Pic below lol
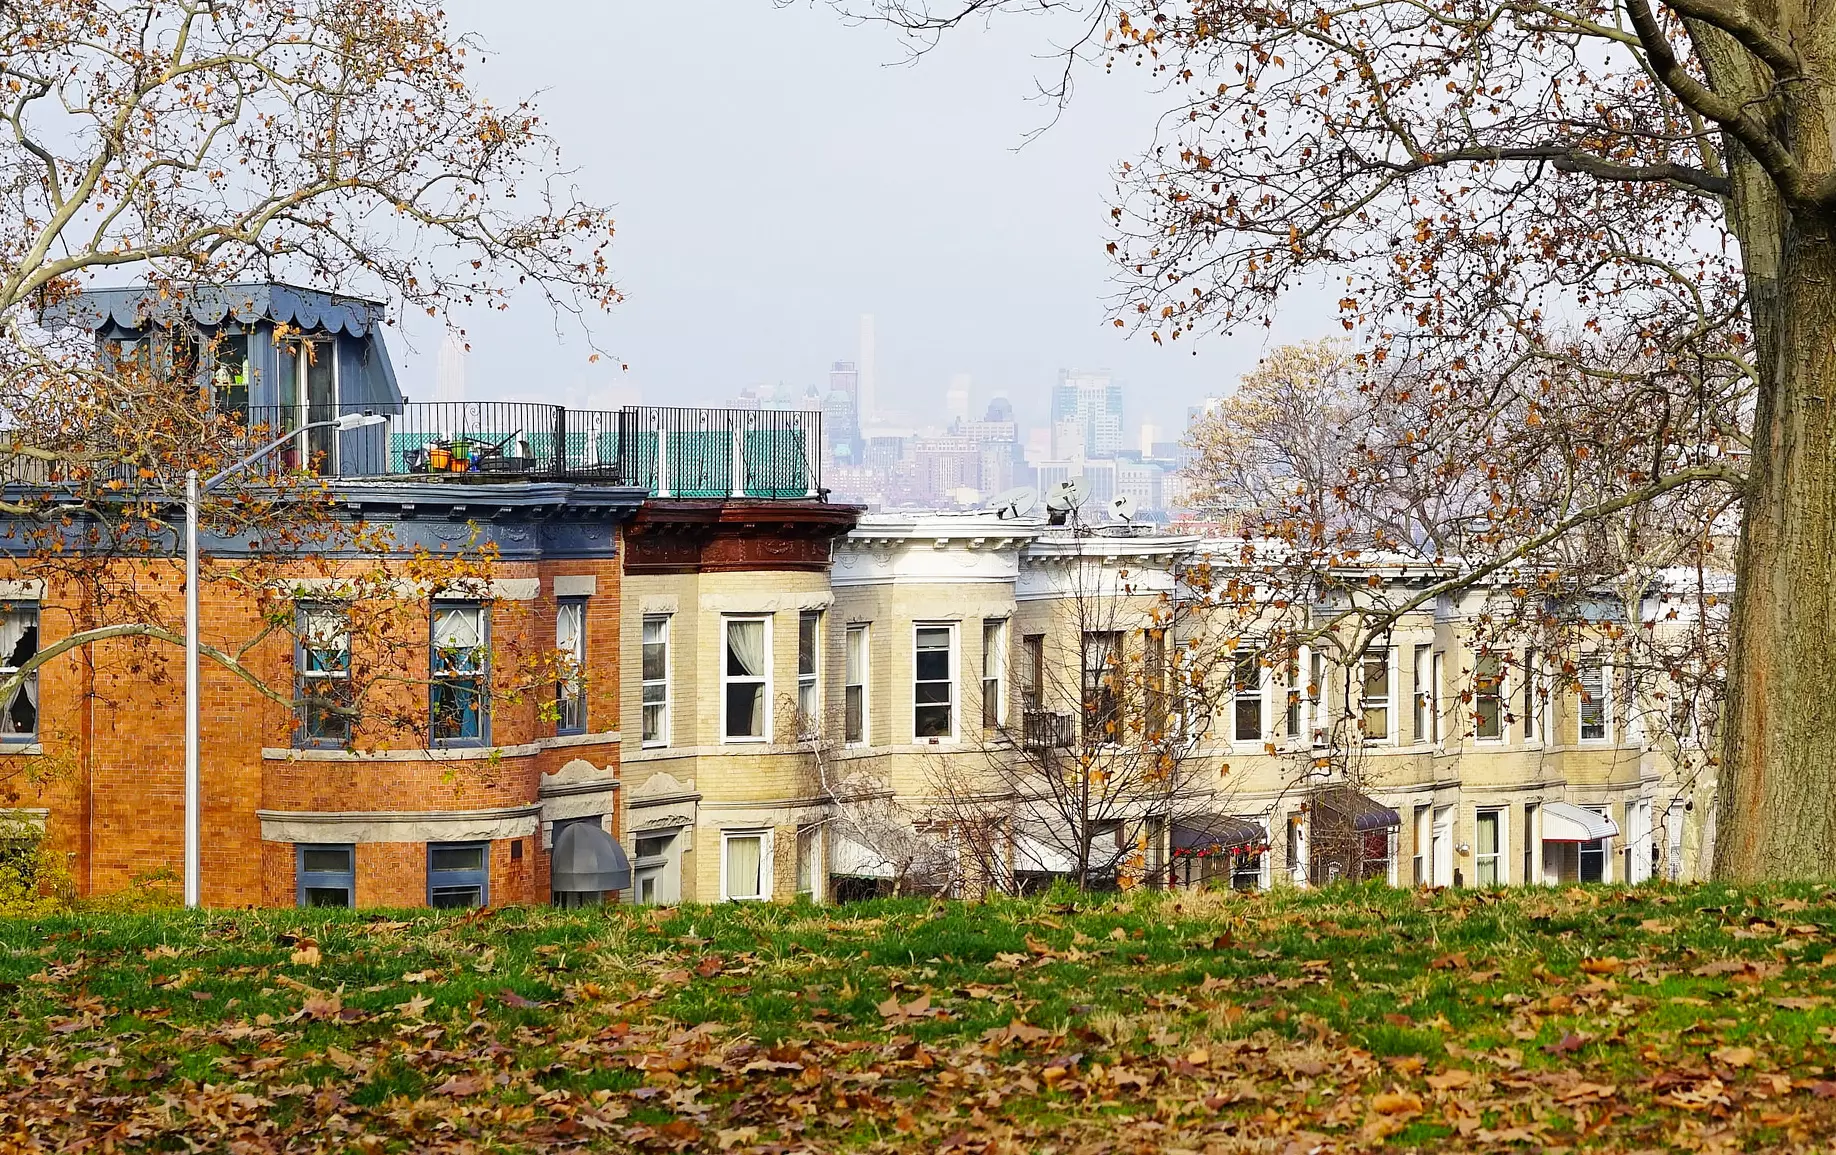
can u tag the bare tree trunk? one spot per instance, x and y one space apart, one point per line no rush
1777 811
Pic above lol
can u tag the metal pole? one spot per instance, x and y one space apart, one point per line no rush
191 688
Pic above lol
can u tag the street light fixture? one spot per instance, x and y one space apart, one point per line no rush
342 424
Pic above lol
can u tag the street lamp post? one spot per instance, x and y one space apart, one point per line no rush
193 491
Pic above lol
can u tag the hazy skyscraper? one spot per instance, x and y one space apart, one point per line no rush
845 378
865 400
1086 409
956 398
449 378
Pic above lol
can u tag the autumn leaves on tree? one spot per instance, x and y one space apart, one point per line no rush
337 145
1582 256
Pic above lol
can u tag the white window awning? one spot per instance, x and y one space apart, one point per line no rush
1565 822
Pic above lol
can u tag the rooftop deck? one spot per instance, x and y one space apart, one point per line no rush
667 452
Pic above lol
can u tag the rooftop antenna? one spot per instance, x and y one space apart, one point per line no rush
1015 503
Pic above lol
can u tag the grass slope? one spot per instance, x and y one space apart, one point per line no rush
1349 1019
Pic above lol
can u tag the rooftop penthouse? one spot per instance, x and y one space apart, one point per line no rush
282 358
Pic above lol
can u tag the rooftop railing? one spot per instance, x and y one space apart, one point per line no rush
666 451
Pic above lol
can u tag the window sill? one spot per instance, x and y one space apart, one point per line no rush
23 749
748 741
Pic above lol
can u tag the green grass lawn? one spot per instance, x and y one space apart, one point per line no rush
1347 1019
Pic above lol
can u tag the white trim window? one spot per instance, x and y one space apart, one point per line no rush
1246 723
809 650
1533 698
854 686
654 662
19 644
812 863
1316 689
1489 696
1249 867
745 865
994 672
1422 712
934 681
1592 703
1489 847
1102 687
570 647
1437 674
1374 694
745 679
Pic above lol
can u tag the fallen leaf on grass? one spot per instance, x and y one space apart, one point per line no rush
307 955
1609 965
1568 1044
1397 1103
461 1085
1734 1056
1450 1079
511 999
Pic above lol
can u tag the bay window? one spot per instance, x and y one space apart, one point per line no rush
1374 693
570 647
322 661
655 676
854 688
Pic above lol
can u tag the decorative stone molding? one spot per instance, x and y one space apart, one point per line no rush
26 590
398 825
658 604
761 603
581 586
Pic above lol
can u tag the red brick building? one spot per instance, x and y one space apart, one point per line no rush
301 805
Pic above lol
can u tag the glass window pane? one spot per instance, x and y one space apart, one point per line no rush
336 859
744 859
455 897
931 721
444 858
933 665
655 661
746 649
857 655
746 710
807 626
328 896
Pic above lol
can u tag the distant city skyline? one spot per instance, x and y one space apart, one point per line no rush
748 253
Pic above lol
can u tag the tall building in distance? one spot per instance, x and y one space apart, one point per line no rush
1086 416
865 403
844 377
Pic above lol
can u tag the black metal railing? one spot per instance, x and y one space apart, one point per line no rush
458 440
1048 730
666 451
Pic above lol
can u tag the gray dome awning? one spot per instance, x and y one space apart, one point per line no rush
587 860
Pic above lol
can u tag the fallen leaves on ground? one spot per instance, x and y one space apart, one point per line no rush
1352 1019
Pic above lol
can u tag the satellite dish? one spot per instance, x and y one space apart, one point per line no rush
1016 502
1122 506
1067 494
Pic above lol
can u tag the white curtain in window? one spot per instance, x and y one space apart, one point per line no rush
743 860
13 627
746 648
18 643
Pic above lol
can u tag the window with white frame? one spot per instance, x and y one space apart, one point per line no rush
1488 696
1488 848
994 672
1591 710
570 649
1423 700
809 647
812 865
1246 698
460 707
1032 672
1249 864
745 679
1316 689
1102 675
654 661
854 686
934 681
745 865
1436 675
1532 731
1374 693
1292 721
19 645
322 661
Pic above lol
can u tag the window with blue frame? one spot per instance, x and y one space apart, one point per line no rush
570 646
322 669
459 703
327 875
458 874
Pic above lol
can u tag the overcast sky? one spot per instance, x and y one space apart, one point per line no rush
777 172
